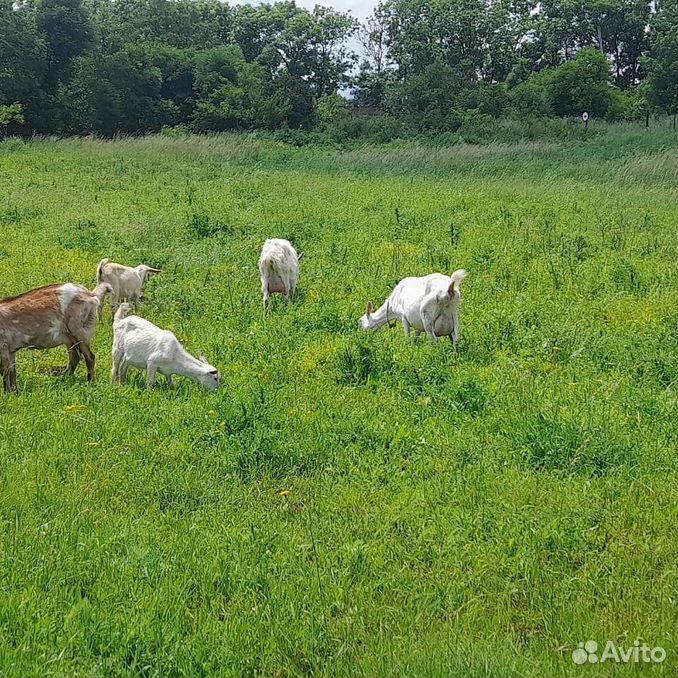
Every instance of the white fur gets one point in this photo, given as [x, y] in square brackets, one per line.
[141, 344]
[279, 268]
[67, 293]
[126, 282]
[428, 304]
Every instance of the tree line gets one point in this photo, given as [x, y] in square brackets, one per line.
[137, 66]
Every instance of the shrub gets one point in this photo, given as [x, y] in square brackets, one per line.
[9, 116]
[530, 96]
[581, 85]
[376, 128]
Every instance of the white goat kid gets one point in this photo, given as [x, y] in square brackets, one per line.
[127, 282]
[279, 268]
[141, 344]
[429, 304]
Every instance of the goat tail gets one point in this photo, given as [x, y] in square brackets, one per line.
[122, 312]
[458, 278]
[100, 268]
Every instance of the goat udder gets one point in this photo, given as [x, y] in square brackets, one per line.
[275, 284]
[442, 327]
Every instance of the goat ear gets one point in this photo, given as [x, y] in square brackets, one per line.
[300, 256]
[202, 358]
[370, 308]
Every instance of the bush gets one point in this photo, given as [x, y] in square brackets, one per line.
[374, 128]
[10, 116]
[530, 96]
[491, 100]
[581, 85]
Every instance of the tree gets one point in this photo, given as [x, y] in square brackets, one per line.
[303, 54]
[198, 24]
[176, 67]
[233, 94]
[428, 97]
[330, 54]
[580, 85]
[109, 94]
[661, 62]
[66, 29]
[22, 64]
[421, 33]
[109, 66]
[373, 36]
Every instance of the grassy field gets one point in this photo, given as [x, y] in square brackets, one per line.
[347, 503]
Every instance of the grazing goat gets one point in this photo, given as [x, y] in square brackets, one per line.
[279, 268]
[46, 317]
[141, 344]
[127, 282]
[429, 304]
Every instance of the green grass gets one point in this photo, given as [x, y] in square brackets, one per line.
[468, 513]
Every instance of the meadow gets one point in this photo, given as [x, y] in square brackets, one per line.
[347, 503]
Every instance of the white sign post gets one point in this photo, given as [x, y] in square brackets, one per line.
[585, 118]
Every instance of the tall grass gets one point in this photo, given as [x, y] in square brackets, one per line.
[347, 504]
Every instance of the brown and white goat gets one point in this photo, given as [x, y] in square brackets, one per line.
[46, 317]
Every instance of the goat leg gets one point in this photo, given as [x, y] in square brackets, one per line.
[89, 360]
[73, 359]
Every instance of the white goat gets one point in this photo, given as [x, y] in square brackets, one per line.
[126, 282]
[429, 304]
[141, 344]
[279, 268]
[46, 317]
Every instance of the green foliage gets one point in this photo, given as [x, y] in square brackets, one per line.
[202, 64]
[66, 29]
[580, 85]
[330, 108]
[438, 67]
[530, 96]
[375, 128]
[110, 94]
[23, 63]
[221, 105]
[11, 114]
[661, 62]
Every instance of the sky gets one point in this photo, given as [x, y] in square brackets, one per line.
[360, 9]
